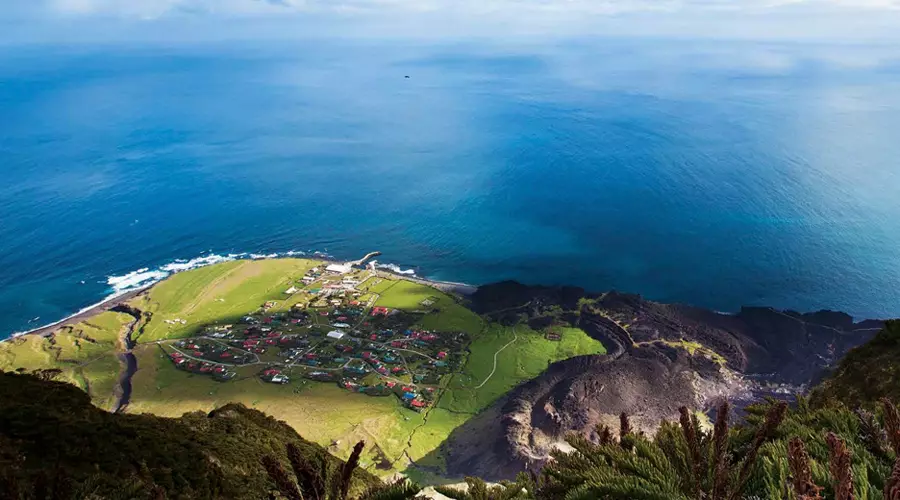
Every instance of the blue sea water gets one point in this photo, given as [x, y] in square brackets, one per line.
[716, 174]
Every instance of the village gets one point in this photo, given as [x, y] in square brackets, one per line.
[327, 328]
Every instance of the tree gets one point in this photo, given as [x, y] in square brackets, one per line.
[681, 462]
[479, 490]
[315, 479]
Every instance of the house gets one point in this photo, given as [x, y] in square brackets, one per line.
[380, 311]
[441, 355]
[341, 325]
[335, 334]
[280, 379]
[292, 290]
[418, 403]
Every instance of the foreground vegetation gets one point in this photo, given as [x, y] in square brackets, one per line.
[55, 444]
[866, 374]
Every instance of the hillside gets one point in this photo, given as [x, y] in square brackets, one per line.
[661, 357]
[867, 373]
[441, 385]
[52, 436]
[456, 362]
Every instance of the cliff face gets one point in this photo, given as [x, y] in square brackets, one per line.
[660, 357]
[867, 373]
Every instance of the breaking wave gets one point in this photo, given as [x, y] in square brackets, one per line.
[145, 277]
[395, 268]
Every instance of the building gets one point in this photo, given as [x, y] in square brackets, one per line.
[380, 311]
[335, 334]
[339, 268]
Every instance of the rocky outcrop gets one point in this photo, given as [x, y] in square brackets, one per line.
[660, 357]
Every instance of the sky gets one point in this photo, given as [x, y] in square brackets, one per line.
[71, 21]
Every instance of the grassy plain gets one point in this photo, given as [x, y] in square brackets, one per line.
[86, 353]
[525, 354]
[186, 302]
[219, 293]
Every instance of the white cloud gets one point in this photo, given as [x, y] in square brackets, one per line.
[830, 19]
[148, 8]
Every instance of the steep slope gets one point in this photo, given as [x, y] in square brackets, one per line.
[660, 357]
[868, 373]
[52, 438]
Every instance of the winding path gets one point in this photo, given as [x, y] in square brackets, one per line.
[495, 359]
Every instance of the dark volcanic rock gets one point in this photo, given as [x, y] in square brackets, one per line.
[660, 357]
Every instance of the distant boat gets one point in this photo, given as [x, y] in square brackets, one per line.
[32, 320]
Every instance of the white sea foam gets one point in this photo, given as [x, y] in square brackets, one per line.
[144, 277]
[208, 260]
[394, 268]
[135, 279]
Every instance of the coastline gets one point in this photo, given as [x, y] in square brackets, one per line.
[113, 301]
[86, 313]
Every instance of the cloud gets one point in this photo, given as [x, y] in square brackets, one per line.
[157, 8]
[868, 19]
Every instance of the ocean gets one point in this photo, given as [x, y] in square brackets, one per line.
[717, 174]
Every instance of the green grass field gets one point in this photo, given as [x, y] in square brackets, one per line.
[85, 352]
[220, 293]
[526, 355]
[321, 412]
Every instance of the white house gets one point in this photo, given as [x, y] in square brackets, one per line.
[335, 334]
[280, 379]
[341, 325]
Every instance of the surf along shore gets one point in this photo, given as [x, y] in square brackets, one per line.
[124, 297]
[122, 302]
